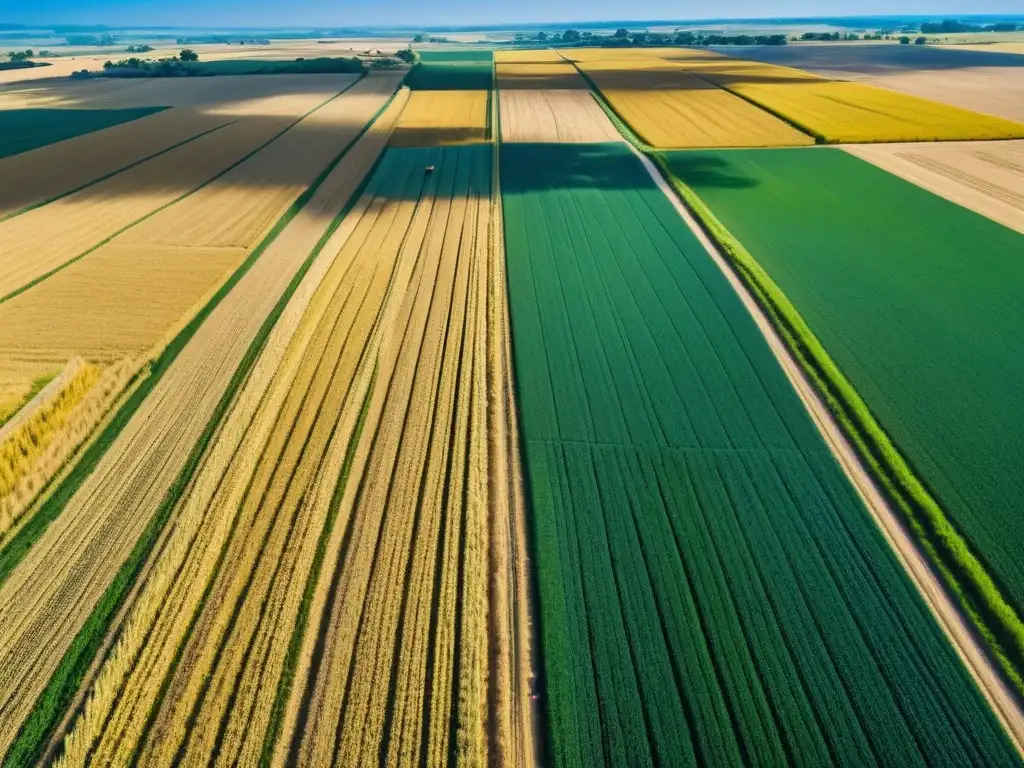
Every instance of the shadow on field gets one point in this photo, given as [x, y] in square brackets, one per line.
[874, 59]
[410, 136]
[529, 168]
[706, 170]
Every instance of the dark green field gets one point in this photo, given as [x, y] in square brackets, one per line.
[711, 590]
[24, 129]
[318, 66]
[457, 56]
[920, 303]
[428, 76]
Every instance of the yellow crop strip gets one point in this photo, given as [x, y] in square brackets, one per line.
[671, 108]
[527, 56]
[440, 118]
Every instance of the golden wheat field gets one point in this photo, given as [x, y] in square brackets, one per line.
[547, 76]
[670, 108]
[439, 118]
[55, 587]
[554, 116]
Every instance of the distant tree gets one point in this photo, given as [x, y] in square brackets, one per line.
[620, 32]
[418, 39]
[639, 38]
[904, 40]
[921, 41]
[571, 36]
[542, 36]
[405, 54]
[188, 55]
[586, 35]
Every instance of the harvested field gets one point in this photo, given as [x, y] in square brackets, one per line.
[987, 177]
[55, 589]
[442, 76]
[668, 107]
[712, 590]
[544, 76]
[528, 56]
[918, 324]
[438, 118]
[379, 368]
[22, 130]
[554, 116]
[49, 237]
[58, 169]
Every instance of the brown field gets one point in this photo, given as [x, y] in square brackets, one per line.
[671, 108]
[47, 597]
[439, 118]
[552, 76]
[987, 177]
[536, 56]
[554, 116]
[990, 90]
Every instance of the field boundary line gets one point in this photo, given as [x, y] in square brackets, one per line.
[916, 565]
[208, 182]
[114, 173]
[66, 682]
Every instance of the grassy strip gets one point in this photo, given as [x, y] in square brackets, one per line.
[284, 686]
[206, 183]
[60, 691]
[112, 174]
[974, 589]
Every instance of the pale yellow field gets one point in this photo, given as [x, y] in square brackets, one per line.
[836, 111]
[987, 177]
[993, 90]
[45, 600]
[553, 76]
[47, 238]
[536, 56]
[572, 116]
[439, 118]
[670, 108]
[595, 55]
[1008, 47]
[114, 720]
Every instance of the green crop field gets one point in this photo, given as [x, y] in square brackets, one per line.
[458, 56]
[711, 590]
[24, 129]
[919, 303]
[431, 76]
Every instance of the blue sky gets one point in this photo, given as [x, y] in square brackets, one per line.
[441, 12]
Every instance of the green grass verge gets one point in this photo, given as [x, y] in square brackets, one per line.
[964, 575]
[66, 681]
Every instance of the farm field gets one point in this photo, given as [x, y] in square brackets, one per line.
[835, 111]
[511, 406]
[22, 130]
[400, 317]
[983, 81]
[554, 116]
[548, 76]
[929, 338]
[434, 118]
[94, 215]
[166, 266]
[987, 177]
[669, 107]
[443, 75]
[710, 586]
[74, 574]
